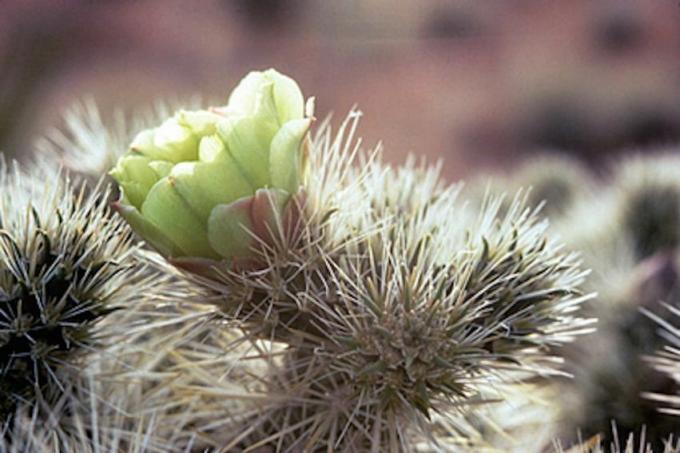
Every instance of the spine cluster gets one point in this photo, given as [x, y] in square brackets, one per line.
[70, 274]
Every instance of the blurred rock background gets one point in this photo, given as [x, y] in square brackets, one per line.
[476, 83]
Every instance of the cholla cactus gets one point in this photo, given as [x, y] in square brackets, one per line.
[203, 379]
[376, 300]
[648, 203]
[65, 265]
[667, 360]
[630, 444]
[411, 309]
[611, 374]
[556, 182]
[579, 109]
[80, 421]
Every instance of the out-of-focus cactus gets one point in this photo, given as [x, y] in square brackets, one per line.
[633, 254]
[618, 28]
[611, 374]
[89, 142]
[627, 230]
[556, 183]
[649, 203]
[667, 359]
[587, 112]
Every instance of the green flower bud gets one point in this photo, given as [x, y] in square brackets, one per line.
[210, 184]
[268, 94]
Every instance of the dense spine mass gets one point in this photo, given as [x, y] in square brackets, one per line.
[385, 309]
[65, 264]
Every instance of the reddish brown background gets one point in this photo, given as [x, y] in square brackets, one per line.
[475, 83]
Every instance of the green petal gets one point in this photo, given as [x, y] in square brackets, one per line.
[212, 149]
[143, 143]
[174, 142]
[235, 228]
[147, 230]
[161, 167]
[247, 142]
[265, 109]
[135, 176]
[268, 94]
[179, 222]
[285, 158]
[133, 193]
[203, 185]
[288, 98]
[243, 98]
[229, 229]
[201, 122]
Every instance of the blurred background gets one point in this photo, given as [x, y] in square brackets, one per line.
[477, 84]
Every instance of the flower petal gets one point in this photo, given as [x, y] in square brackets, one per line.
[143, 143]
[268, 93]
[288, 98]
[247, 141]
[229, 228]
[161, 167]
[243, 99]
[176, 219]
[147, 230]
[135, 176]
[204, 185]
[201, 122]
[174, 142]
[285, 159]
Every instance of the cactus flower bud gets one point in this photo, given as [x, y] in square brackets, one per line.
[209, 184]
